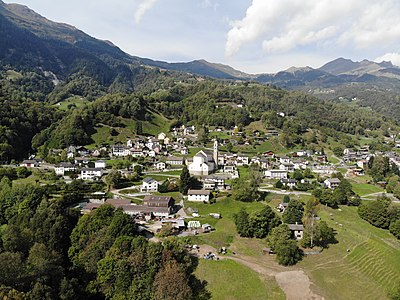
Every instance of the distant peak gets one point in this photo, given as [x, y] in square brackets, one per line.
[296, 69]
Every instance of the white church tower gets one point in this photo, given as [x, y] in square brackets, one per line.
[215, 154]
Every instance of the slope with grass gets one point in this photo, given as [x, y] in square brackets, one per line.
[228, 279]
[364, 264]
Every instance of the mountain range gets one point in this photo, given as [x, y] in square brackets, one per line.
[30, 42]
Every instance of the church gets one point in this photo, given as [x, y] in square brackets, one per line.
[204, 162]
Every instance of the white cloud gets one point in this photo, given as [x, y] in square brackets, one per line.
[283, 25]
[143, 8]
[393, 57]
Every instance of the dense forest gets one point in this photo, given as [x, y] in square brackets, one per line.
[48, 252]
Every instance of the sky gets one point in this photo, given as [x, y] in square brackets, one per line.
[254, 36]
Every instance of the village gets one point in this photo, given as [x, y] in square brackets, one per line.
[156, 163]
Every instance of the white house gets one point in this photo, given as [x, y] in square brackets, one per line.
[63, 167]
[91, 173]
[30, 163]
[199, 195]
[332, 183]
[174, 160]
[149, 185]
[161, 136]
[297, 230]
[120, 150]
[276, 174]
[160, 165]
[290, 183]
[100, 164]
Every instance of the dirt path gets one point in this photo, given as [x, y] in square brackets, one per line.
[293, 281]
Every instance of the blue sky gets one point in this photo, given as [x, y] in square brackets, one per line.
[255, 36]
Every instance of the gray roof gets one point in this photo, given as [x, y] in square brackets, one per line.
[298, 227]
[149, 180]
[198, 192]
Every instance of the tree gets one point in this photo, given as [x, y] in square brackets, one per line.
[293, 213]
[310, 225]
[171, 283]
[375, 212]
[112, 179]
[138, 128]
[279, 184]
[287, 253]
[263, 221]
[286, 199]
[242, 223]
[395, 228]
[278, 235]
[185, 180]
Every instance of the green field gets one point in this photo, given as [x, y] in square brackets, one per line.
[365, 264]
[103, 134]
[75, 101]
[228, 279]
[363, 189]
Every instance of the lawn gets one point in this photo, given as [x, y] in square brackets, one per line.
[363, 189]
[75, 101]
[228, 279]
[364, 264]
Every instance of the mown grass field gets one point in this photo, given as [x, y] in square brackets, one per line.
[364, 264]
[228, 279]
[363, 189]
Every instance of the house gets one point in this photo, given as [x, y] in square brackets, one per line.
[297, 230]
[332, 183]
[288, 182]
[178, 224]
[242, 160]
[164, 203]
[100, 164]
[276, 174]
[136, 152]
[29, 163]
[160, 165]
[149, 185]
[184, 151]
[199, 195]
[161, 136]
[214, 182]
[282, 206]
[284, 160]
[175, 160]
[63, 167]
[204, 162]
[120, 150]
[287, 167]
[91, 173]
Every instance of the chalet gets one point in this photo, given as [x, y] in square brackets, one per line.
[63, 167]
[91, 173]
[30, 163]
[323, 169]
[276, 174]
[297, 230]
[332, 183]
[82, 151]
[100, 164]
[175, 160]
[149, 185]
[199, 195]
[81, 161]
